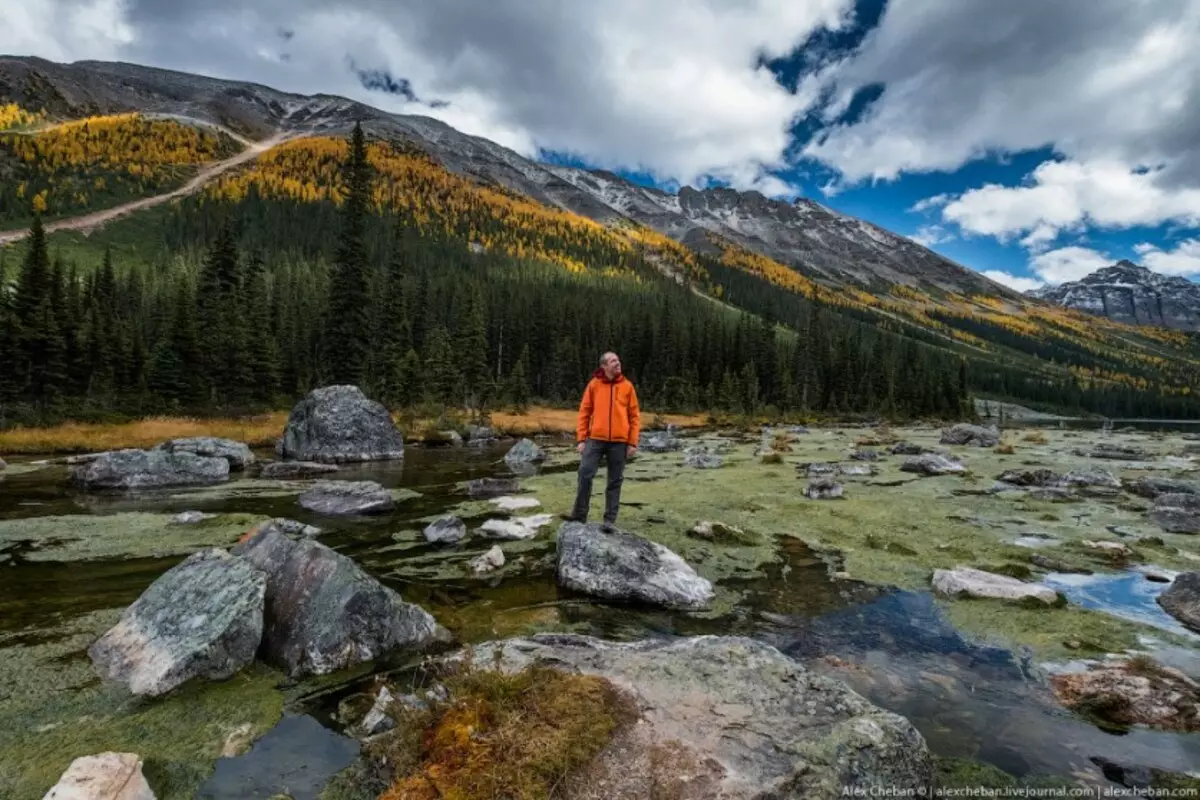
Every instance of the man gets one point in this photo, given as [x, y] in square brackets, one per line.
[608, 428]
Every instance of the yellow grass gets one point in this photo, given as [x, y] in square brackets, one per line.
[562, 420]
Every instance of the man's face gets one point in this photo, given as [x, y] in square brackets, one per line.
[612, 367]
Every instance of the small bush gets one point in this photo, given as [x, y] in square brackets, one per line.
[1035, 437]
[1005, 450]
[772, 458]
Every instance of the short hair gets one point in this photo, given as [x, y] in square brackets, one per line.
[605, 356]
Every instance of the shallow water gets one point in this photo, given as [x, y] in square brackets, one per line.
[969, 699]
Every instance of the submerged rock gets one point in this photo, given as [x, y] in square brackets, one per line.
[290, 470]
[618, 565]
[823, 489]
[975, 435]
[493, 559]
[1134, 692]
[973, 582]
[515, 528]
[1177, 513]
[200, 619]
[323, 613]
[483, 488]
[107, 776]
[149, 469]
[337, 424]
[238, 454]
[1182, 599]
[523, 453]
[1152, 486]
[932, 464]
[738, 719]
[446, 530]
[347, 497]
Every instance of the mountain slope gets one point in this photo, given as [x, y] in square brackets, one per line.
[1130, 293]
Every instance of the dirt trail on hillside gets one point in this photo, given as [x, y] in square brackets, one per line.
[91, 221]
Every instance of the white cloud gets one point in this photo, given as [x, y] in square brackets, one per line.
[1068, 263]
[929, 235]
[1183, 260]
[930, 203]
[1016, 282]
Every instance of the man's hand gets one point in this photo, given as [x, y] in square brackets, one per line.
[630, 451]
[579, 447]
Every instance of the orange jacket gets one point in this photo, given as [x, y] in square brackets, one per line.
[609, 411]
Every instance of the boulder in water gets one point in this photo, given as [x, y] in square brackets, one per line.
[617, 565]
[446, 530]
[975, 435]
[291, 470]
[977, 583]
[149, 469]
[338, 424]
[483, 488]
[932, 464]
[1182, 599]
[107, 776]
[203, 618]
[323, 613]
[1177, 513]
[524, 453]
[1134, 692]
[238, 454]
[344, 498]
[480, 434]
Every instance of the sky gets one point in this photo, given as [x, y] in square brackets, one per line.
[1033, 141]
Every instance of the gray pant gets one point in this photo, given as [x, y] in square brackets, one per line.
[614, 454]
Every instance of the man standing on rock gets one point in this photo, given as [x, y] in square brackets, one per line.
[608, 427]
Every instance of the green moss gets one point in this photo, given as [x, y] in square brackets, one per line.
[1046, 630]
[967, 774]
[129, 535]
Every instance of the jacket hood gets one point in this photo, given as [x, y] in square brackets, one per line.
[599, 373]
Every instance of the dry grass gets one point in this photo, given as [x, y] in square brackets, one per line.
[1036, 437]
[562, 420]
[1005, 450]
[74, 437]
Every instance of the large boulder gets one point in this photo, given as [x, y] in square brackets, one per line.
[107, 776]
[975, 435]
[338, 424]
[970, 582]
[149, 469]
[343, 498]
[1151, 486]
[238, 454]
[1182, 599]
[291, 470]
[1177, 513]
[932, 464]
[524, 453]
[617, 565]
[735, 718]
[202, 618]
[323, 613]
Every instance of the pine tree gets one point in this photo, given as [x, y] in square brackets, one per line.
[407, 390]
[472, 352]
[518, 382]
[41, 362]
[9, 340]
[441, 376]
[262, 349]
[171, 370]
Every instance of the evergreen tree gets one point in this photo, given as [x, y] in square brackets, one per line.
[518, 382]
[441, 376]
[472, 352]
[263, 349]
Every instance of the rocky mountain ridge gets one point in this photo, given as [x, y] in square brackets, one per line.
[832, 248]
[1130, 293]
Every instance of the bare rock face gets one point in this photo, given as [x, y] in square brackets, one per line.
[344, 498]
[1131, 293]
[107, 776]
[339, 424]
[201, 619]
[323, 613]
[739, 719]
[617, 565]
[1177, 513]
[1133, 693]
[237, 454]
[975, 435]
[291, 470]
[1182, 599]
[932, 464]
[977, 583]
[149, 469]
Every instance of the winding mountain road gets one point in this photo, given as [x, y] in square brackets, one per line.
[95, 219]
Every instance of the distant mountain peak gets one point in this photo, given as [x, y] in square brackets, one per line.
[1132, 293]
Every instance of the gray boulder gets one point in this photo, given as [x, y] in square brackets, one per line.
[906, 449]
[446, 530]
[238, 454]
[865, 455]
[823, 489]
[1113, 452]
[1151, 486]
[347, 497]
[1030, 477]
[659, 442]
[323, 613]
[149, 469]
[338, 424]
[483, 488]
[1093, 477]
[971, 435]
[480, 434]
[971, 582]
[492, 560]
[1177, 513]
[702, 458]
[288, 527]
[1182, 599]
[202, 618]
[931, 464]
[524, 453]
[291, 470]
[740, 719]
[618, 565]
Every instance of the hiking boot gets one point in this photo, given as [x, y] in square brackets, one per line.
[608, 527]
[570, 517]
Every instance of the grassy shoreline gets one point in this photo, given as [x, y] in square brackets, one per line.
[261, 430]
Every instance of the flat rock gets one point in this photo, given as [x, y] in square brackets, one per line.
[202, 618]
[291, 470]
[323, 613]
[618, 565]
[932, 464]
[446, 530]
[857, 470]
[975, 435]
[107, 776]
[515, 528]
[1151, 487]
[190, 517]
[149, 469]
[721, 533]
[238, 454]
[1125, 693]
[1113, 452]
[492, 560]
[347, 497]
[1094, 477]
[524, 452]
[865, 455]
[1030, 477]
[1182, 599]
[823, 489]
[738, 718]
[338, 424]
[817, 469]
[483, 488]
[1177, 513]
[977, 583]
[515, 503]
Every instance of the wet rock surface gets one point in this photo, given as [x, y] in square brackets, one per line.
[618, 565]
[1177, 513]
[343, 498]
[148, 469]
[200, 619]
[338, 424]
[291, 470]
[515, 528]
[484, 488]
[971, 582]
[1182, 599]
[238, 454]
[1134, 692]
[524, 453]
[446, 530]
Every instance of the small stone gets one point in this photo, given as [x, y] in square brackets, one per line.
[446, 530]
[491, 560]
[107, 776]
[190, 517]
[720, 532]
